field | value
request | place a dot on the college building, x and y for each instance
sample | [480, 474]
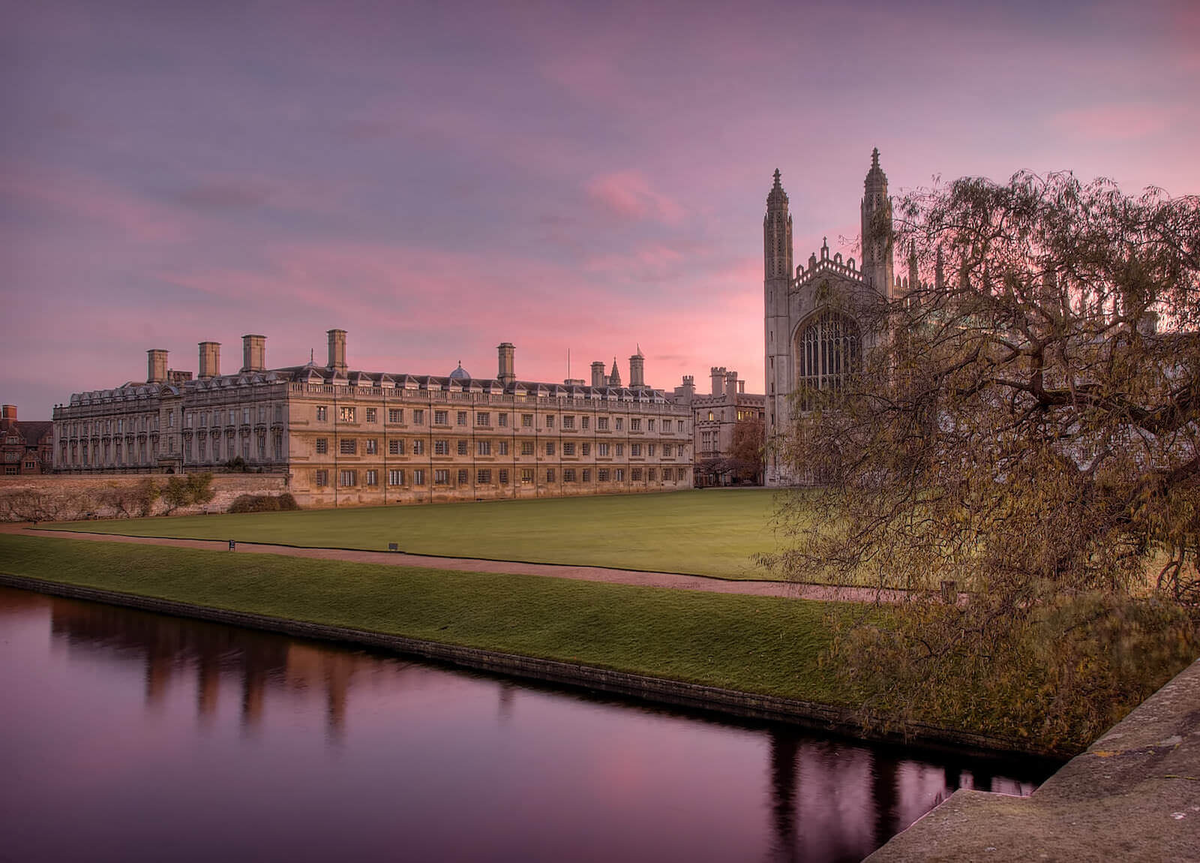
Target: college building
[715, 418]
[25, 447]
[347, 437]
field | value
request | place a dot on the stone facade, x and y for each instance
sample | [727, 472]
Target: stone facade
[817, 317]
[714, 417]
[344, 437]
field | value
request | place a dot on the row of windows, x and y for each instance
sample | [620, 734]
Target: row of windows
[400, 446]
[483, 476]
[483, 419]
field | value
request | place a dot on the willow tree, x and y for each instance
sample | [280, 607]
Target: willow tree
[1028, 432]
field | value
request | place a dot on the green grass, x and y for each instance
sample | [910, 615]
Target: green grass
[712, 532]
[753, 644]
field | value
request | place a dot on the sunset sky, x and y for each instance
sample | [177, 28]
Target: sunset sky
[438, 177]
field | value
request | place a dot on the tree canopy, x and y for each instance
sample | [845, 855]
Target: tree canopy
[1028, 429]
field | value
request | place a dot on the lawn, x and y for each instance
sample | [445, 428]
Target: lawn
[753, 644]
[712, 532]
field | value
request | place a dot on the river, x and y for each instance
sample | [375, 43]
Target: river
[128, 736]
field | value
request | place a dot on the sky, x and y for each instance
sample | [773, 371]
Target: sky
[583, 179]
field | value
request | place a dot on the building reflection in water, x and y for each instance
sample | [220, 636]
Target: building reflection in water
[827, 799]
[174, 649]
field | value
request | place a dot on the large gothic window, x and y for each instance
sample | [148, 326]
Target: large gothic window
[828, 348]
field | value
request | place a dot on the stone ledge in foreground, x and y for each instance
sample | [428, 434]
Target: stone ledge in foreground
[1133, 796]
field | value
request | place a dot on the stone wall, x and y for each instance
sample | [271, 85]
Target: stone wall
[72, 498]
[1133, 796]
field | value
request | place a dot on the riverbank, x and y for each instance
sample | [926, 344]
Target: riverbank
[748, 655]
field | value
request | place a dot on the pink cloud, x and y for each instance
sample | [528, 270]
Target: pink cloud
[85, 197]
[1115, 121]
[628, 194]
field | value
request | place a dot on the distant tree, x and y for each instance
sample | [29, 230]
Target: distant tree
[143, 495]
[747, 450]
[186, 490]
[1029, 431]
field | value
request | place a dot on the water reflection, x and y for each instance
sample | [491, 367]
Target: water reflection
[441, 763]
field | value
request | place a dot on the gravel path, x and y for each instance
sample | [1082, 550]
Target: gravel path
[468, 564]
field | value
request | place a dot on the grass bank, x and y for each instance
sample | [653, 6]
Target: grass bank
[713, 532]
[751, 644]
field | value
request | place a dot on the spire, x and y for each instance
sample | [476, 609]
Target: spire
[876, 182]
[614, 380]
[639, 350]
[777, 233]
[778, 198]
[877, 263]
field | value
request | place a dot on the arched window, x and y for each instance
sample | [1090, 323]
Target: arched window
[828, 348]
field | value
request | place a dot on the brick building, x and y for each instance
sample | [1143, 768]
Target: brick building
[25, 447]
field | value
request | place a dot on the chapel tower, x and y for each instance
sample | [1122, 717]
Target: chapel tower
[877, 264]
[777, 278]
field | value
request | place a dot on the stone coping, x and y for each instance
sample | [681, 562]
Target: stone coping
[1134, 795]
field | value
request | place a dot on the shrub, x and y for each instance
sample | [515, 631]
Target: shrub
[264, 503]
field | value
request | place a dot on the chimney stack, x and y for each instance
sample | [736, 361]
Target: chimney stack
[9, 412]
[156, 366]
[718, 379]
[210, 360]
[731, 387]
[507, 372]
[598, 378]
[337, 350]
[637, 370]
[254, 353]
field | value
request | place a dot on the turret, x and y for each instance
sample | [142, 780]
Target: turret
[877, 266]
[777, 233]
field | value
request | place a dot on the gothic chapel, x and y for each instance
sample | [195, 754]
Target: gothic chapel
[813, 335]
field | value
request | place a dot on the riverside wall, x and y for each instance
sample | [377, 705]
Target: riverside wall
[1134, 795]
[71, 498]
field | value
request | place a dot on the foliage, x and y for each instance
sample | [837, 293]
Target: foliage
[143, 495]
[192, 488]
[36, 505]
[747, 451]
[237, 464]
[264, 503]
[1025, 430]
